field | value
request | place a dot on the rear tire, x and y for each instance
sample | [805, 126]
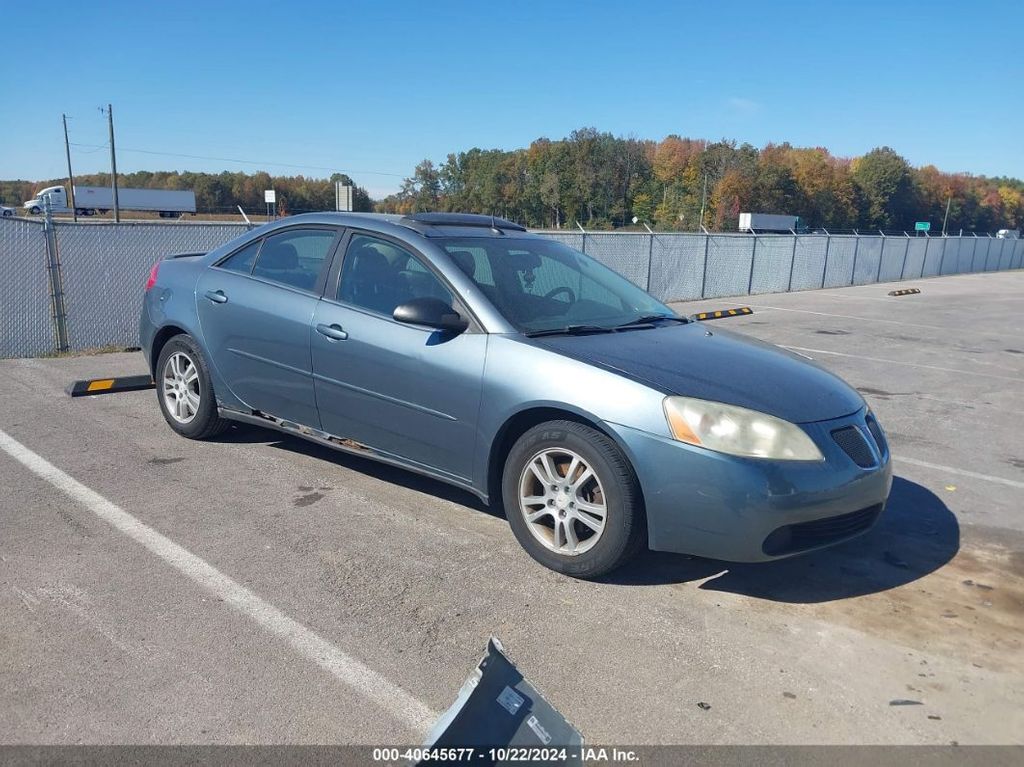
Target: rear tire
[573, 500]
[185, 392]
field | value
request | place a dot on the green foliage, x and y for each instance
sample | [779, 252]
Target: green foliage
[889, 191]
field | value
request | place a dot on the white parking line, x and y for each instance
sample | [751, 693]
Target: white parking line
[961, 472]
[859, 298]
[972, 373]
[848, 317]
[367, 682]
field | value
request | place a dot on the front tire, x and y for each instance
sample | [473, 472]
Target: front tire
[573, 500]
[185, 392]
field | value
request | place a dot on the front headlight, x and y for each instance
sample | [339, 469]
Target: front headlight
[738, 431]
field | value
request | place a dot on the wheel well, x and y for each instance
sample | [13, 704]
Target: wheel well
[162, 336]
[517, 426]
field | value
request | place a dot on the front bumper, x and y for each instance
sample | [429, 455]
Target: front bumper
[751, 510]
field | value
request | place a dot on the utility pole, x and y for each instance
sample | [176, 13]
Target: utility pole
[71, 178]
[703, 199]
[113, 163]
[946, 217]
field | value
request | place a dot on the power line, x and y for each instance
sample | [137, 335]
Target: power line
[90, 151]
[250, 162]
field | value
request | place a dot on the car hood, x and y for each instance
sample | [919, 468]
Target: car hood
[713, 364]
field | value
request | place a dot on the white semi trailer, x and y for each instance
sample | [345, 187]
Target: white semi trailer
[768, 222]
[169, 203]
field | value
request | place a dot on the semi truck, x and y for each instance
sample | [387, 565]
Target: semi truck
[768, 222]
[169, 203]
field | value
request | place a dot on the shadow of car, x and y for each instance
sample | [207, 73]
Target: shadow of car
[916, 535]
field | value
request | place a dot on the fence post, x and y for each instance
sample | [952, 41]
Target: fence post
[924, 258]
[792, 262]
[57, 311]
[881, 257]
[824, 269]
[942, 258]
[856, 247]
[704, 277]
[974, 251]
[650, 258]
[905, 251]
[753, 255]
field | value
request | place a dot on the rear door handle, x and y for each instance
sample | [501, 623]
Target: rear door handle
[217, 296]
[334, 332]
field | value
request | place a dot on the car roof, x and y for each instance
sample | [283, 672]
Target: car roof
[425, 224]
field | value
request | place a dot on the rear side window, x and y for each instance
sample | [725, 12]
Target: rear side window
[294, 258]
[242, 260]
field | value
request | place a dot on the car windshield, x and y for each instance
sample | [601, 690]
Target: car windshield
[543, 286]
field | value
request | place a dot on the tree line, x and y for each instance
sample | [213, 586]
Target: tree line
[603, 181]
[215, 192]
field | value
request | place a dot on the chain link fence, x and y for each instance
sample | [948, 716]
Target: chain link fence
[104, 268]
[26, 314]
[89, 289]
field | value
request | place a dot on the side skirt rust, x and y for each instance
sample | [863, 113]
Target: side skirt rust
[345, 445]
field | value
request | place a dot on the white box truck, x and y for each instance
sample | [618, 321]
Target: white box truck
[169, 203]
[768, 222]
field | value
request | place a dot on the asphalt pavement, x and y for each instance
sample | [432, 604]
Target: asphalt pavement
[260, 589]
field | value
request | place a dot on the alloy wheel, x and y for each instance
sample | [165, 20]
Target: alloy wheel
[562, 501]
[181, 390]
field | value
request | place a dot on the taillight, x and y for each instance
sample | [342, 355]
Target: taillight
[152, 275]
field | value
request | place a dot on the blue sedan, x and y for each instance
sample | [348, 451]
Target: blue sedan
[464, 348]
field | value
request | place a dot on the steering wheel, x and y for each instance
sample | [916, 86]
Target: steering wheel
[562, 289]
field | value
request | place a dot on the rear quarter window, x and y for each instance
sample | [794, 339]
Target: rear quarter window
[242, 260]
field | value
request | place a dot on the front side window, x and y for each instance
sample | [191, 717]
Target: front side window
[541, 285]
[295, 257]
[378, 275]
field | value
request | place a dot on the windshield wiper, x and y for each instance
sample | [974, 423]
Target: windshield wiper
[570, 330]
[649, 320]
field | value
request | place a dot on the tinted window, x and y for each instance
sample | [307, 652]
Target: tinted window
[242, 260]
[378, 276]
[295, 257]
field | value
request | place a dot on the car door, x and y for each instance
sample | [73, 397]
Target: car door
[255, 309]
[410, 391]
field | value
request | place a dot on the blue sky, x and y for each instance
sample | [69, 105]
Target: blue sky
[371, 88]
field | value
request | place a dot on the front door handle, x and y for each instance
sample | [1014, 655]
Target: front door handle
[217, 296]
[334, 332]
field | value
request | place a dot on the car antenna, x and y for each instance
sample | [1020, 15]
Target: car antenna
[494, 227]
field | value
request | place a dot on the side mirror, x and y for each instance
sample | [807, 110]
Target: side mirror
[431, 313]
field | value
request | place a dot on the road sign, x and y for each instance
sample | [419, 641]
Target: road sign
[922, 226]
[270, 196]
[342, 196]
